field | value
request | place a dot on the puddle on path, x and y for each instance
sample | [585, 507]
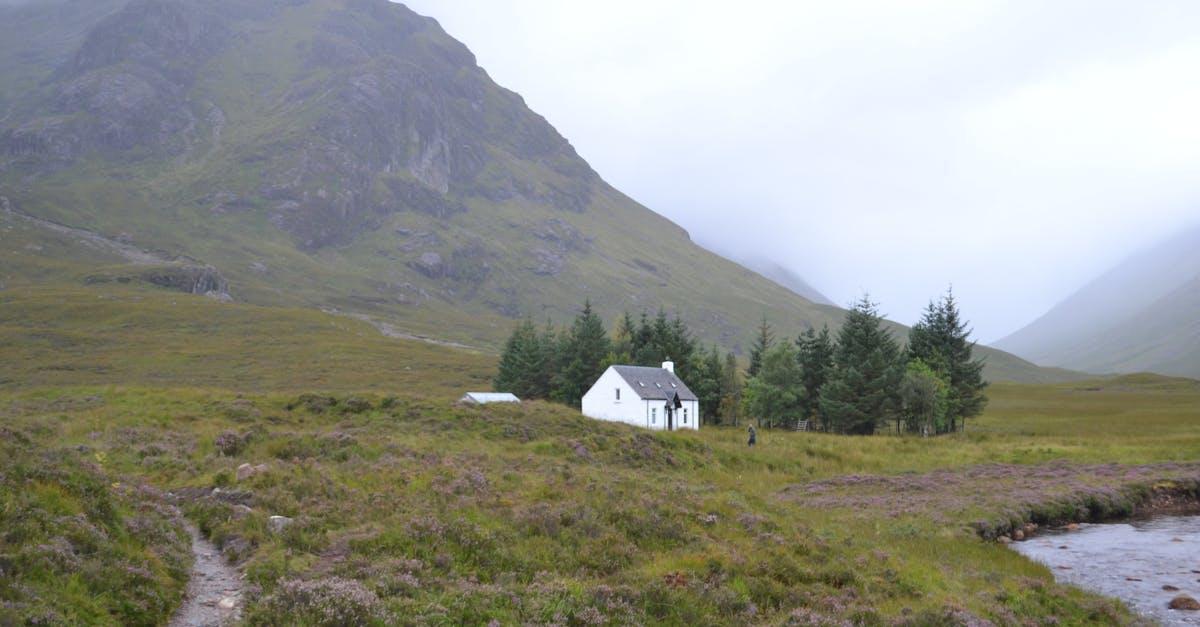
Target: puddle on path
[1130, 561]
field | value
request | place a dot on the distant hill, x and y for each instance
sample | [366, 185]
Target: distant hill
[1141, 316]
[342, 155]
[785, 277]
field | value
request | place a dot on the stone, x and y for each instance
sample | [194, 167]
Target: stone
[1169, 588]
[1018, 535]
[246, 471]
[1184, 602]
[1004, 540]
[227, 603]
[278, 523]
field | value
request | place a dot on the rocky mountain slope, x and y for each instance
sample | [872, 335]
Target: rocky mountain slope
[346, 155]
[1142, 315]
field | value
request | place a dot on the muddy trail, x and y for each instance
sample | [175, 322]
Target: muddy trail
[214, 594]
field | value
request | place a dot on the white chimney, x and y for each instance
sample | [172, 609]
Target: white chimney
[669, 366]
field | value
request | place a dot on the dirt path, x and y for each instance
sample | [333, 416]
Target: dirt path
[214, 594]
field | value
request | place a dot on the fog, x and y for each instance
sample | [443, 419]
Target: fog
[1010, 149]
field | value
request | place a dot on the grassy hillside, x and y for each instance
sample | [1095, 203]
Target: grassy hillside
[413, 508]
[107, 336]
[333, 155]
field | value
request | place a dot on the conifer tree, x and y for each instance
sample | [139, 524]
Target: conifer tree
[861, 392]
[762, 343]
[583, 351]
[731, 391]
[662, 339]
[622, 340]
[705, 383]
[522, 369]
[815, 352]
[939, 340]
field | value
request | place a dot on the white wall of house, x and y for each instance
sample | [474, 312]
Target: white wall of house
[612, 398]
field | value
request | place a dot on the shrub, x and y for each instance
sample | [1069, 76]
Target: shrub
[329, 602]
[229, 444]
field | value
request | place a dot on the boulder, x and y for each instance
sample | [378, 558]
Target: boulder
[1184, 602]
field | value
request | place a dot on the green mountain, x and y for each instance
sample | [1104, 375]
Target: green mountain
[1143, 315]
[343, 155]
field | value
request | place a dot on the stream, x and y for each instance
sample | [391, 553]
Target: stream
[1144, 563]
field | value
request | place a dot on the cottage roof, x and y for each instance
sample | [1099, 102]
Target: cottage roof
[654, 383]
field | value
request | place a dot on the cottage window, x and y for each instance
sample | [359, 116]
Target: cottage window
[653, 415]
[618, 391]
[685, 416]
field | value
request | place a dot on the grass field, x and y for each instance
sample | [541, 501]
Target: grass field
[413, 509]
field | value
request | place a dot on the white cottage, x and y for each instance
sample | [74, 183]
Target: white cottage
[644, 396]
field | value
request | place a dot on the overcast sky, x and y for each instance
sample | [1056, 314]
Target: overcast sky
[1014, 149]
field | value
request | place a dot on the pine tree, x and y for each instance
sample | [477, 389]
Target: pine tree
[731, 391]
[655, 342]
[522, 369]
[705, 383]
[551, 341]
[622, 340]
[644, 349]
[939, 340]
[762, 343]
[815, 353]
[861, 392]
[583, 352]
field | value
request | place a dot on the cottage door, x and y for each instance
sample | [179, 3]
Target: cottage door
[670, 417]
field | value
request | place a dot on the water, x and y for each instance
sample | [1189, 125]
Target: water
[1130, 561]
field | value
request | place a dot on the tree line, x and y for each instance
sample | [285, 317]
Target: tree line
[862, 380]
[561, 364]
[857, 382]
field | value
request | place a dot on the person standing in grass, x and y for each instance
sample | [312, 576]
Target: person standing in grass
[753, 433]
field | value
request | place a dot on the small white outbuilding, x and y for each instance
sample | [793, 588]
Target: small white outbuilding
[643, 396]
[489, 397]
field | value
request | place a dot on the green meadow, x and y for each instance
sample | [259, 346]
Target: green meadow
[408, 507]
